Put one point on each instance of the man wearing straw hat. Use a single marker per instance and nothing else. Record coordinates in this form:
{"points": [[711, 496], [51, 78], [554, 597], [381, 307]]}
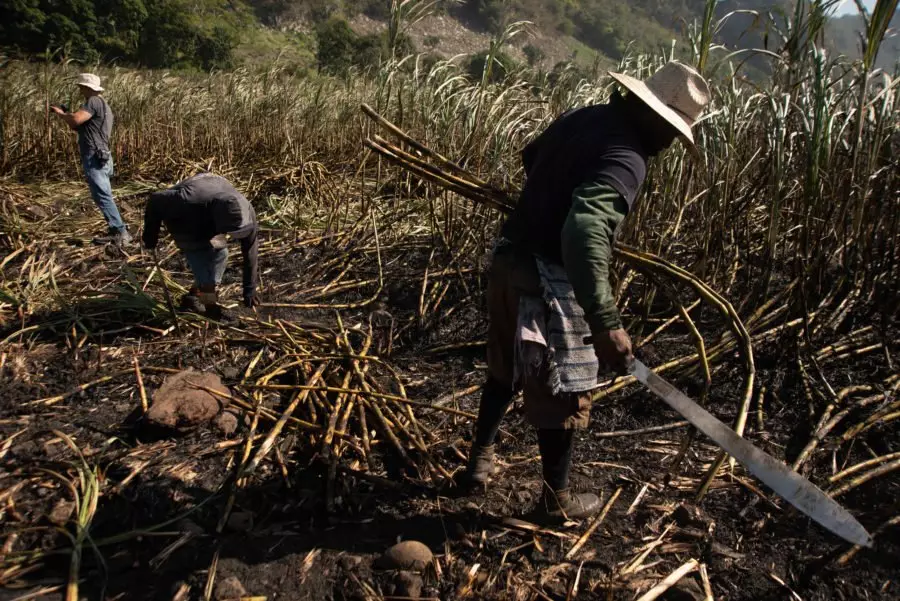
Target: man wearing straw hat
{"points": [[553, 318], [94, 122]]}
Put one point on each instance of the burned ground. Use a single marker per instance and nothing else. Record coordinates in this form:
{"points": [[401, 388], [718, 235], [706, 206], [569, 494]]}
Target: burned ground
{"points": [[391, 315]]}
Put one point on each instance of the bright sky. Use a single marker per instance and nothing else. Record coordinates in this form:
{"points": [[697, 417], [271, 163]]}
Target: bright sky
{"points": [[849, 7]]}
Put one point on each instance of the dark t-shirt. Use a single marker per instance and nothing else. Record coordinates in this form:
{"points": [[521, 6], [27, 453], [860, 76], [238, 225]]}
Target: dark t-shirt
{"points": [[595, 143], [94, 134]]}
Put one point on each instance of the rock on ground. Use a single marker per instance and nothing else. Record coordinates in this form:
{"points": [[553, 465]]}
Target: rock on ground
{"points": [[61, 512], [226, 423], [229, 589], [181, 403], [409, 584], [408, 555], [350, 562], [240, 521]]}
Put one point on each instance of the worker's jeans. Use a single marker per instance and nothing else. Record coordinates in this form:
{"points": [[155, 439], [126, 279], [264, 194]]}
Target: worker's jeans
{"points": [[97, 175], [208, 265]]}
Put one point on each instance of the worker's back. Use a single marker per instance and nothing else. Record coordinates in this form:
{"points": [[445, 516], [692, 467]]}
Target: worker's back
{"points": [[568, 153], [200, 207]]}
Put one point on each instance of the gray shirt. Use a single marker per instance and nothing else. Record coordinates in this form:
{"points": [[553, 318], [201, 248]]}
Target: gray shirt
{"points": [[199, 208], [93, 134]]}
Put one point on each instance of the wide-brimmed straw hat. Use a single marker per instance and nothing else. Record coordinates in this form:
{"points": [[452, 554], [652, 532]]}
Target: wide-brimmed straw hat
{"points": [[89, 80], [676, 92]]}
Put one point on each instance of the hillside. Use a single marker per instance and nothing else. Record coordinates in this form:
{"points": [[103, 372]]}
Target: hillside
{"points": [[844, 36], [217, 34]]}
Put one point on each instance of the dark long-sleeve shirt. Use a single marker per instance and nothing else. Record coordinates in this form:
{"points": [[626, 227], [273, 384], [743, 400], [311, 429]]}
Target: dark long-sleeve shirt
{"points": [[587, 240], [583, 173], [199, 208]]}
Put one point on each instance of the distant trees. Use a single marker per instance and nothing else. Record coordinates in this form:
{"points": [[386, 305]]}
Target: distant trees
{"points": [[337, 46], [155, 33], [533, 55], [492, 14], [502, 65], [340, 48]]}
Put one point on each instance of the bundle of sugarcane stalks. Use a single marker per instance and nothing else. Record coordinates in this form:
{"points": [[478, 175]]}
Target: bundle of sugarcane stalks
{"points": [[437, 169]]}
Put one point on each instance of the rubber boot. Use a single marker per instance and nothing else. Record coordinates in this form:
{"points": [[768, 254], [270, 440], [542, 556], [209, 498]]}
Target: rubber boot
{"points": [[215, 312], [114, 237], [557, 507], [495, 400], [480, 467], [190, 303], [558, 503]]}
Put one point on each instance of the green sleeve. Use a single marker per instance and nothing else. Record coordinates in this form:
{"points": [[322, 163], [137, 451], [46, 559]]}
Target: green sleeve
{"points": [[587, 241]]}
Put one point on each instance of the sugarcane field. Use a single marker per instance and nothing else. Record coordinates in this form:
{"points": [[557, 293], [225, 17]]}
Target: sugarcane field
{"points": [[625, 334]]}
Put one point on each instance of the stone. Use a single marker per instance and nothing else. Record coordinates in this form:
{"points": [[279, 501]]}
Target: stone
{"points": [[408, 584], [229, 589], [407, 555], [230, 372], [240, 521], [61, 512], [690, 515], [180, 404], [226, 423], [190, 526], [686, 589], [350, 563]]}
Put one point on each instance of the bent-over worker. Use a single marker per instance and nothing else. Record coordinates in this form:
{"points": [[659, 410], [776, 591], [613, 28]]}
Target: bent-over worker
{"points": [[201, 213], [549, 292]]}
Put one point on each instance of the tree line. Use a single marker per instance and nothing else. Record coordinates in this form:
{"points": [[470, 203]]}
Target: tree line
{"points": [[153, 33]]}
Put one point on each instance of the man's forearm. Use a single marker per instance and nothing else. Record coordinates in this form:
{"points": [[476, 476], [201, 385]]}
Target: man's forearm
{"points": [[587, 240], [69, 119], [250, 255], [76, 119], [152, 223]]}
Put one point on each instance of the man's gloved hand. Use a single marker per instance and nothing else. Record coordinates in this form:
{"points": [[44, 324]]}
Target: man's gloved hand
{"points": [[251, 300], [613, 349], [218, 242]]}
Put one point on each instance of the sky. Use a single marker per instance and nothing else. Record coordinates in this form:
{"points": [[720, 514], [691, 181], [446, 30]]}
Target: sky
{"points": [[848, 7]]}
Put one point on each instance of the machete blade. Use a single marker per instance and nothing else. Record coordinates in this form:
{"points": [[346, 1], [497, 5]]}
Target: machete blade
{"points": [[791, 486]]}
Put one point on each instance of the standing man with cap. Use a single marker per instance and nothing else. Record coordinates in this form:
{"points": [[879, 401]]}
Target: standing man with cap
{"points": [[201, 213], [94, 123], [549, 293]]}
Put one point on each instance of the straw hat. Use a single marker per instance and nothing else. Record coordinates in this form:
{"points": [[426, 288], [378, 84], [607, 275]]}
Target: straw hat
{"points": [[89, 80], [676, 92]]}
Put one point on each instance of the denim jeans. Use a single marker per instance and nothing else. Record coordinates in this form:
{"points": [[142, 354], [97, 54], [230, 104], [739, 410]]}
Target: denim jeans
{"points": [[97, 175], [208, 265]]}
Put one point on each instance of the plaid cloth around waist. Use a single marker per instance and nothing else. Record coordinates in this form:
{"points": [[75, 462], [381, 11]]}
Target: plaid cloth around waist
{"points": [[550, 335]]}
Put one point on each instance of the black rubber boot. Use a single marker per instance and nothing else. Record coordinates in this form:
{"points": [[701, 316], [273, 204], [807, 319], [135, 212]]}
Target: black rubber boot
{"points": [[217, 313], [495, 400], [556, 507], [115, 237], [558, 503], [190, 303], [479, 469]]}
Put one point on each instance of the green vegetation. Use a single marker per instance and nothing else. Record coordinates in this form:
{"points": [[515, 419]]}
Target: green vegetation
{"points": [[154, 33], [340, 48], [501, 65], [605, 25], [217, 34], [845, 35], [533, 55], [264, 46]]}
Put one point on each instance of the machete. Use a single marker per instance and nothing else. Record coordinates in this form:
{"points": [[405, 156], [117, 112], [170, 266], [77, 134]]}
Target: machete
{"points": [[794, 488]]}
